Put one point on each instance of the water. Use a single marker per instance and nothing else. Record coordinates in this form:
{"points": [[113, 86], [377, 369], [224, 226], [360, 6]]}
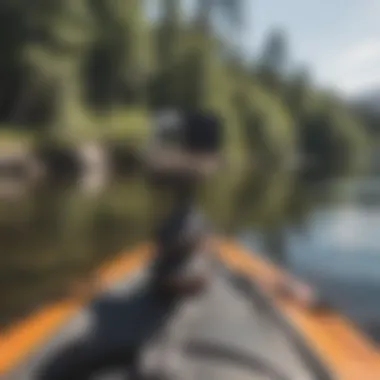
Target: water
{"points": [[325, 232]]}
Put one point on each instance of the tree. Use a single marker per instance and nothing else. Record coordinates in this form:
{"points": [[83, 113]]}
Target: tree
{"points": [[274, 60], [268, 126], [50, 57], [231, 10], [298, 93], [117, 64], [167, 87], [334, 140], [13, 36], [169, 33]]}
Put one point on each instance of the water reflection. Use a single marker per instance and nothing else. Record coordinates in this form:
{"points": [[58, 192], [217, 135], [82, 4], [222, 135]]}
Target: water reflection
{"points": [[58, 233], [52, 234]]}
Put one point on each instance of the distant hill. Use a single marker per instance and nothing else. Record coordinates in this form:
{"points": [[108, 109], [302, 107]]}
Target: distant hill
{"points": [[367, 106], [369, 100]]}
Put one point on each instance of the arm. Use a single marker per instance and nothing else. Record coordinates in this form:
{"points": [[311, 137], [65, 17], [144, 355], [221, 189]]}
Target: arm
{"points": [[183, 285], [192, 279], [196, 276]]}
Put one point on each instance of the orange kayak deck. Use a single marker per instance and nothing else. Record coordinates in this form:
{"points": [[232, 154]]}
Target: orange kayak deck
{"points": [[347, 353], [342, 349], [24, 338]]}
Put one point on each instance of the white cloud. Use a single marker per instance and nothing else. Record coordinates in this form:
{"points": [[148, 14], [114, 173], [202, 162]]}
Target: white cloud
{"points": [[350, 58], [359, 56], [360, 83], [354, 68]]}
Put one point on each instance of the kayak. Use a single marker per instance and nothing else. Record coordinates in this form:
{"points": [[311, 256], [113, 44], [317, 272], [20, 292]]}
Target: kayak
{"points": [[244, 328]]}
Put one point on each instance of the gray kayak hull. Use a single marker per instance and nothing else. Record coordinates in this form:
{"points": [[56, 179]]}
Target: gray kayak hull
{"points": [[222, 335]]}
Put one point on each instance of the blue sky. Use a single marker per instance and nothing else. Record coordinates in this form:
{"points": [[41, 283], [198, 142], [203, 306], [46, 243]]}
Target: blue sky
{"points": [[339, 40]]}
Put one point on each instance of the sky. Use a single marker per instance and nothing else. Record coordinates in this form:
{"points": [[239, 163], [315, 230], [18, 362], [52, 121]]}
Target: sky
{"points": [[338, 40]]}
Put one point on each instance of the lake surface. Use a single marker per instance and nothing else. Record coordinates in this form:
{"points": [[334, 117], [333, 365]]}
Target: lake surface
{"points": [[326, 232]]}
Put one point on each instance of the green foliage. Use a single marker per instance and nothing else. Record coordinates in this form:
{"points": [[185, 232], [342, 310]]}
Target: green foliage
{"points": [[118, 63], [330, 133], [352, 139], [274, 60], [76, 70], [268, 125]]}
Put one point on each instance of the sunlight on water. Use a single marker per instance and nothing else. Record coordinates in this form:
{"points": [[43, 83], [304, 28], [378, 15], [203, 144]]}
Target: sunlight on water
{"points": [[342, 243], [347, 230], [335, 247]]}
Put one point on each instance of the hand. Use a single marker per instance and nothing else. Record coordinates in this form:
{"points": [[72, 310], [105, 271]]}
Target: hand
{"points": [[296, 291], [195, 285], [186, 286]]}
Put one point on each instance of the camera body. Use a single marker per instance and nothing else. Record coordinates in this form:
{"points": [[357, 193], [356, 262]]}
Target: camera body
{"points": [[191, 132], [185, 149]]}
